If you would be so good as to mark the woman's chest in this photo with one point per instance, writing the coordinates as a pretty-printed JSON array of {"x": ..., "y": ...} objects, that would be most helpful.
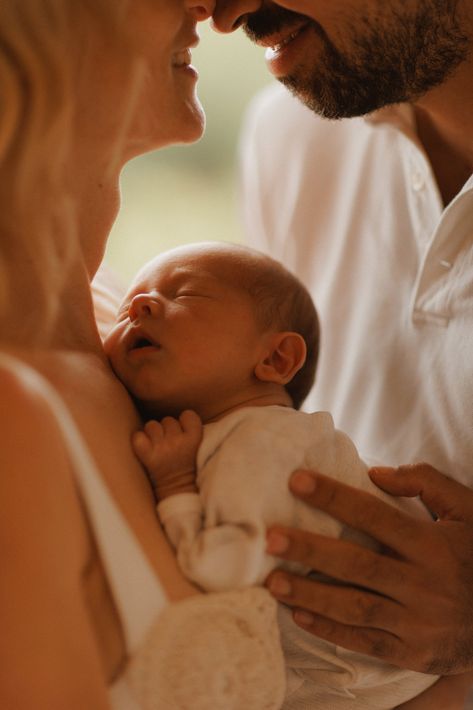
[{"x": 106, "y": 419}]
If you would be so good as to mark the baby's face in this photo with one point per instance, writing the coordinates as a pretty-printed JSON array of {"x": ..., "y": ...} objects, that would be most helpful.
[{"x": 185, "y": 334}]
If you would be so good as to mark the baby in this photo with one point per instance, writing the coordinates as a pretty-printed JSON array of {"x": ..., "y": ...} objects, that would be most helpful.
[{"x": 224, "y": 335}]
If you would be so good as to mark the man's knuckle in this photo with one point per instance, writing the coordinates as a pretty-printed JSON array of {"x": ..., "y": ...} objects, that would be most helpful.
[
  {"x": 381, "y": 647},
  {"x": 366, "y": 567},
  {"x": 368, "y": 610},
  {"x": 326, "y": 494},
  {"x": 304, "y": 550}
]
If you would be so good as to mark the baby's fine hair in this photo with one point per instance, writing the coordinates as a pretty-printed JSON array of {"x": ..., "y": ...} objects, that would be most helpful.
[{"x": 281, "y": 302}]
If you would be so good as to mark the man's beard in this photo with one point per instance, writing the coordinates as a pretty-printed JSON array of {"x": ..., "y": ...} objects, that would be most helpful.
[{"x": 394, "y": 59}]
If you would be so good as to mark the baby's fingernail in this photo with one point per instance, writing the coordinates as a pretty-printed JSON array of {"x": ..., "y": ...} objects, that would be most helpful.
[
  {"x": 280, "y": 586},
  {"x": 277, "y": 543},
  {"x": 381, "y": 470},
  {"x": 304, "y": 618},
  {"x": 302, "y": 482}
]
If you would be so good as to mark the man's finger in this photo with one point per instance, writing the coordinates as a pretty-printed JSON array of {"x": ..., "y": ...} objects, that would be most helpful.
[
  {"x": 448, "y": 499},
  {"x": 340, "y": 560},
  {"x": 344, "y": 604},
  {"x": 359, "y": 509}
]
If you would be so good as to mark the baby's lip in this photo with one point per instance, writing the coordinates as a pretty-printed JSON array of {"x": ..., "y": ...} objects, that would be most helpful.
[{"x": 139, "y": 340}]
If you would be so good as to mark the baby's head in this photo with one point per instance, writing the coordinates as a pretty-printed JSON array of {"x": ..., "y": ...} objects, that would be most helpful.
[{"x": 212, "y": 327}]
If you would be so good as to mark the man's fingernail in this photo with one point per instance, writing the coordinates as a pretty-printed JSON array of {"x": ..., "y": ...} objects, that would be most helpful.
[
  {"x": 302, "y": 482},
  {"x": 304, "y": 618},
  {"x": 280, "y": 586},
  {"x": 277, "y": 543}
]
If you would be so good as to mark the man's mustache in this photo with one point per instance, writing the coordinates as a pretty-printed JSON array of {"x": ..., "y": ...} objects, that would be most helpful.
[{"x": 271, "y": 20}]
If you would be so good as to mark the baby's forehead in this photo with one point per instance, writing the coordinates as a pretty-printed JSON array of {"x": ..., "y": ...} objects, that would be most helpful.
[{"x": 218, "y": 266}]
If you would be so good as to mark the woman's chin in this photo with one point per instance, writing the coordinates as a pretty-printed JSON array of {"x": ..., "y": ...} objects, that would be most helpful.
[
  {"x": 187, "y": 126},
  {"x": 189, "y": 123},
  {"x": 194, "y": 128}
]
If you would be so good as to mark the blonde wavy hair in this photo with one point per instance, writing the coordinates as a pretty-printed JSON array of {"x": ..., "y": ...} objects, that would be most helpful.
[{"x": 40, "y": 54}]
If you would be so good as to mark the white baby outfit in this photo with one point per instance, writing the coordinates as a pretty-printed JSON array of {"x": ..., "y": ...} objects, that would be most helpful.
[
  {"x": 209, "y": 652},
  {"x": 243, "y": 464}
]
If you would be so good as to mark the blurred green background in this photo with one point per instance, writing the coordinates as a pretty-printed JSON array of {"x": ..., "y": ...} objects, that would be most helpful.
[{"x": 189, "y": 193}]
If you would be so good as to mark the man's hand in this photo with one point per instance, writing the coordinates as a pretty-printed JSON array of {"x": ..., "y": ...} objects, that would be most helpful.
[
  {"x": 448, "y": 693},
  {"x": 411, "y": 603},
  {"x": 168, "y": 451}
]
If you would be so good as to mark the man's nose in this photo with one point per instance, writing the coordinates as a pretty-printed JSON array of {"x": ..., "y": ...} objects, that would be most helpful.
[
  {"x": 230, "y": 14},
  {"x": 143, "y": 305}
]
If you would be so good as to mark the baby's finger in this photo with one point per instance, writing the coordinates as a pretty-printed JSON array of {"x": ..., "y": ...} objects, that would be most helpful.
[
  {"x": 141, "y": 444},
  {"x": 154, "y": 430},
  {"x": 171, "y": 426},
  {"x": 191, "y": 422}
]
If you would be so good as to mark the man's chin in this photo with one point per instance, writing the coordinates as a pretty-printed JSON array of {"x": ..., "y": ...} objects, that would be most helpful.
[
  {"x": 317, "y": 103},
  {"x": 335, "y": 105}
]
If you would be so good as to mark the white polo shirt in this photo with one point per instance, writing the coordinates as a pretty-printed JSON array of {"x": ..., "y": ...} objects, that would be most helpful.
[{"x": 353, "y": 208}]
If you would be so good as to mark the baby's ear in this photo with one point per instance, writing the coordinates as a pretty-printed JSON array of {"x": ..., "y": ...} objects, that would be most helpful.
[{"x": 284, "y": 356}]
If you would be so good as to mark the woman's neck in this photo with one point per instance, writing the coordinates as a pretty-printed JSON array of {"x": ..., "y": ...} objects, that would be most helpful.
[
  {"x": 48, "y": 282},
  {"x": 98, "y": 203},
  {"x": 97, "y": 196}
]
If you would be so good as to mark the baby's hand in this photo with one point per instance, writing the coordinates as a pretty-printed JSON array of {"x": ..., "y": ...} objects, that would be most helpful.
[{"x": 168, "y": 450}]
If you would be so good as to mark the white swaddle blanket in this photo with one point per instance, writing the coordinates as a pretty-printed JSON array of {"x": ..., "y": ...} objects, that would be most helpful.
[{"x": 244, "y": 464}]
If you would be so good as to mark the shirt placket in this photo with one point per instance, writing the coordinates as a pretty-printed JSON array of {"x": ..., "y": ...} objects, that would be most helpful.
[{"x": 440, "y": 235}]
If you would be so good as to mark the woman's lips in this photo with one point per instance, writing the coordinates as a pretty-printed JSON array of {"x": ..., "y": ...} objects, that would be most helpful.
[
  {"x": 181, "y": 62},
  {"x": 182, "y": 58}
]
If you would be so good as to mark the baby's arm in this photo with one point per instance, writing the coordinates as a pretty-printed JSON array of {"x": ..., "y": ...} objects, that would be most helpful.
[
  {"x": 219, "y": 551},
  {"x": 220, "y": 534},
  {"x": 168, "y": 450}
]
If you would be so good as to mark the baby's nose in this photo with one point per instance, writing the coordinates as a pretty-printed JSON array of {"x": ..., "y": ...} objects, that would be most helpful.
[{"x": 143, "y": 305}]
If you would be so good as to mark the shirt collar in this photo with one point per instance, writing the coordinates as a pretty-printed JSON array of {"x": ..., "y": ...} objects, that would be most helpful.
[{"x": 400, "y": 116}]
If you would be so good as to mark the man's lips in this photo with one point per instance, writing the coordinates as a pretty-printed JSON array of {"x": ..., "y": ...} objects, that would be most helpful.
[{"x": 278, "y": 40}]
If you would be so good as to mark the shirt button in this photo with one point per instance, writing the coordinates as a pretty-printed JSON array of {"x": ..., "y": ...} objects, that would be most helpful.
[
  {"x": 417, "y": 181},
  {"x": 446, "y": 264}
]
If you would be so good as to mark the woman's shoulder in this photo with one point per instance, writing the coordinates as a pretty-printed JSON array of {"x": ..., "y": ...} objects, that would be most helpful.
[
  {"x": 44, "y": 549},
  {"x": 30, "y": 427},
  {"x": 35, "y": 467},
  {"x": 25, "y": 413},
  {"x": 21, "y": 387}
]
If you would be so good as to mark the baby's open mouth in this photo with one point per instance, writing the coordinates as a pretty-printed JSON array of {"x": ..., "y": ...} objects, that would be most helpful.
[{"x": 142, "y": 342}]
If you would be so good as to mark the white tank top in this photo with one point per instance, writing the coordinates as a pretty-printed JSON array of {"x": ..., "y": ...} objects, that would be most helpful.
[{"x": 208, "y": 652}]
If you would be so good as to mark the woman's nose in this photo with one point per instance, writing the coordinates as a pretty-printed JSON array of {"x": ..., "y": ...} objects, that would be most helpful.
[
  {"x": 229, "y": 14},
  {"x": 143, "y": 305},
  {"x": 201, "y": 9}
]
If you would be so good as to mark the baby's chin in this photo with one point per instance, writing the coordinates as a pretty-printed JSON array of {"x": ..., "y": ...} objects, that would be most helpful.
[{"x": 152, "y": 409}]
